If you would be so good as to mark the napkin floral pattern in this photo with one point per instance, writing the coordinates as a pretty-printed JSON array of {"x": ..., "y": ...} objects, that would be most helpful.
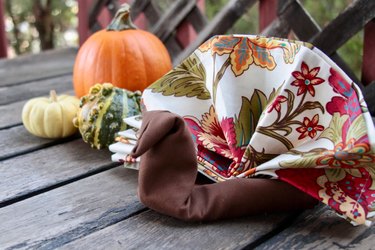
[{"x": 275, "y": 108}]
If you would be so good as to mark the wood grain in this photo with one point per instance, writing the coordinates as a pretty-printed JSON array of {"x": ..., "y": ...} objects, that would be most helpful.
[
  {"x": 8, "y": 117},
  {"x": 54, "y": 218},
  {"x": 322, "y": 230},
  {"x": 278, "y": 28},
  {"x": 152, "y": 12},
  {"x": 17, "y": 140},
  {"x": 197, "y": 19},
  {"x": 351, "y": 20},
  {"x": 137, "y": 7},
  {"x": 51, "y": 166},
  {"x": 37, "y": 67},
  {"x": 150, "y": 230},
  {"x": 10, "y": 94},
  {"x": 306, "y": 29},
  {"x": 169, "y": 22},
  {"x": 369, "y": 95}
]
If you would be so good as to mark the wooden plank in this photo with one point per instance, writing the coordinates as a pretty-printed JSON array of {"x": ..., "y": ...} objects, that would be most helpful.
[
  {"x": 83, "y": 20},
  {"x": 305, "y": 28},
  {"x": 8, "y": 118},
  {"x": 17, "y": 140},
  {"x": 278, "y": 28},
  {"x": 197, "y": 19},
  {"x": 10, "y": 94},
  {"x": 172, "y": 18},
  {"x": 53, "y": 166},
  {"x": 267, "y": 13},
  {"x": 3, "y": 37},
  {"x": 113, "y": 6},
  {"x": 45, "y": 57},
  {"x": 54, "y": 218},
  {"x": 368, "y": 63},
  {"x": 153, "y": 231},
  {"x": 369, "y": 95},
  {"x": 351, "y": 20},
  {"x": 302, "y": 24},
  {"x": 152, "y": 13},
  {"x": 37, "y": 67},
  {"x": 173, "y": 46},
  {"x": 224, "y": 20},
  {"x": 322, "y": 230},
  {"x": 138, "y": 7},
  {"x": 96, "y": 8}
]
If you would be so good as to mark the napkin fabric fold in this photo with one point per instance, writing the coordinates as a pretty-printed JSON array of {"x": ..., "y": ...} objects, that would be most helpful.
[
  {"x": 262, "y": 106},
  {"x": 168, "y": 170}
]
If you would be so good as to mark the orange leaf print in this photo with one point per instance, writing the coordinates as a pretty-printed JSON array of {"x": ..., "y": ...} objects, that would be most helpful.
[
  {"x": 241, "y": 57},
  {"x": 224, "y": 44},
  {"x": 262, "y": 56},
  {"x": 206, "y": 46}
]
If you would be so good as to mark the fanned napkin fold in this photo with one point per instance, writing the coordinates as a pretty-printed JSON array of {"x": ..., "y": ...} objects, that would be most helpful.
[
  {"x": 125, "y": 142},
  {"x": 260, "y": 106}
]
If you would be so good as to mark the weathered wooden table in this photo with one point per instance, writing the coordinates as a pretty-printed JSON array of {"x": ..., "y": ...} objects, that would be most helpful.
[{"x": 63, "y": 194}]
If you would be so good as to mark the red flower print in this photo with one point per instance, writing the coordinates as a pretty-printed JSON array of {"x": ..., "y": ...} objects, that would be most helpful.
[
  {"x": 348, "y": 103},
  {"x": 276, "y": 104},
  {"x": 337, "y": 104},
  {"x": 309, "y": 127},
  {"x": 214, "y": 135},
  {"x": 339, "y": 84},
  {"x": 306, "y": 79}
]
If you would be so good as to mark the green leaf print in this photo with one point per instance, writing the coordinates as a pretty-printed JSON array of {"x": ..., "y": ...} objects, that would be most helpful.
[
  {"x": 311, "y": 105},
  {"x": 358, "y": 128},
  {"x": 338, "y": 174},
  {"x": 187, "y": 79},
  {"x": 372, "y": 174},
  {"x": 334, "y": 131},
  {"x": 335, "y": 175},
  {"x": 248, "y": 118},
  {"x": 302, "y": 162}
]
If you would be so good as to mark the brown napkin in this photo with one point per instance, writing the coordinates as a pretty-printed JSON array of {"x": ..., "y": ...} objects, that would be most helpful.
[{"x": 168, "y": 171}]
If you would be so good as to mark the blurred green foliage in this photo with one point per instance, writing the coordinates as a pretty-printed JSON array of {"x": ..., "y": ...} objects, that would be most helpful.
[
  {"x": 20, "y": 24},
  {"x": 352, "y": 51}
]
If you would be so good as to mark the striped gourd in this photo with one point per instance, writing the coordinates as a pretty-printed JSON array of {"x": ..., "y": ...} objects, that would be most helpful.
[{"x": 102, "y": 112}]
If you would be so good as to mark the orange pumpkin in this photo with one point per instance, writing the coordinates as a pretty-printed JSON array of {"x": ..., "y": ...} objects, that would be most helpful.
[{"x": 122, "y": 55}]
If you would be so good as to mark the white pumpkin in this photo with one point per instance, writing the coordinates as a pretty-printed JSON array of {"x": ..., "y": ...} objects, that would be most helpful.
[{"x": 50, "y": 117}]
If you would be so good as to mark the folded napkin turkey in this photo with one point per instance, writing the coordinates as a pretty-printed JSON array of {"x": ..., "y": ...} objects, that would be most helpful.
[
  {"x": 168, "y": 171},
  {"x": 281, "y": 109}
]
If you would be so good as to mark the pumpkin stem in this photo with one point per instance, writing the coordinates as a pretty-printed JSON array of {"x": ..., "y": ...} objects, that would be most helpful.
[
  {"x": 53, "y": 96},
  {"x": 122, "y": 20}
]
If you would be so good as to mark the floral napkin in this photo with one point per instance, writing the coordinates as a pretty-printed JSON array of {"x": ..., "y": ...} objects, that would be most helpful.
[{"x": 275, "y": 108}]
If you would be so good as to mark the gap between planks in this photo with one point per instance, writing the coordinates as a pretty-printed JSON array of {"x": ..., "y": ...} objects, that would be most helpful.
[
  {"x": 57, "y": 185},
  {"x": 16, "y": 141},
  {"x": 150, "y": 230},
  {"x": 70, "y": 212},
  {"x": 49, "y": 166},
  {"x": 32, "y": 89},
  {"x": 322, "y": 229},
  {"x": 42, "y": 78},
  {"x": 38, "y": 66}
]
